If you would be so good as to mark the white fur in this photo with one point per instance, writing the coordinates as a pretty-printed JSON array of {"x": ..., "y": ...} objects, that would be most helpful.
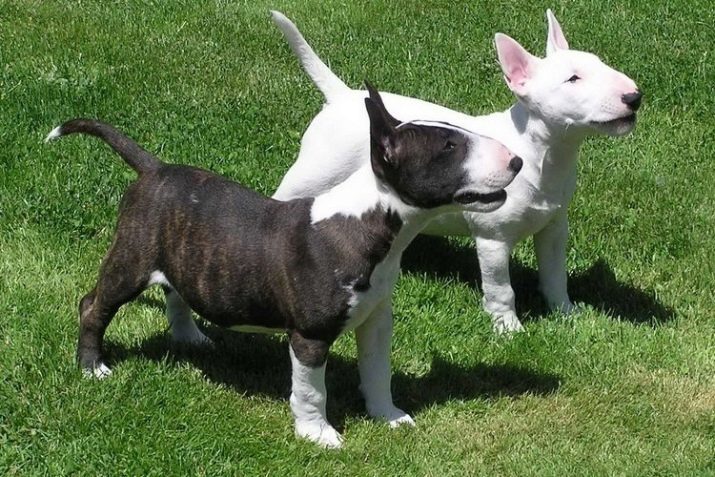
[
  {"x": 351, "y": 198},
  {"x": 54, "y": 134},
  {"x": 374, "y": 338},
  {"x": 100, "y": 372},
  {"x": 157, "y": 277},
  {"x": 545, "y": 128},
  {"x": 307, "y": 402},
  {"x": 183, "y": 327}
]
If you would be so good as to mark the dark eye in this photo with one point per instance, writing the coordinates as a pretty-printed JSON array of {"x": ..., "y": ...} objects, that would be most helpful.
[
  {"x": 449, "y": 146},
  {"x": 573, "y": 79}
]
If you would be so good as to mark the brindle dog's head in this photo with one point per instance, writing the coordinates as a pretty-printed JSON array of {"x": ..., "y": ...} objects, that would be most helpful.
[{"x": 430, "y": 164}]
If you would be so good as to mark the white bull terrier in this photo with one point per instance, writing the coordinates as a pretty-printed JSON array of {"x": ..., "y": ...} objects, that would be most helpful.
[{"x": 561, "y": 99}]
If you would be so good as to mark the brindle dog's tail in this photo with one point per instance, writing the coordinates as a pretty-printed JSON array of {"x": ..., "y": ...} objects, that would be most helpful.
[{"x": 133, "y": 154}]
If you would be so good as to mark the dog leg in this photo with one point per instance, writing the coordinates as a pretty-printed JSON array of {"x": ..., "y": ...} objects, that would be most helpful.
[
  {"x": 496, "y": 284},
  {"x": 374, "y": 339},
  {"x": 183, "y": 327},
  {"x": 308, "y": 395},
  {"x": 550, "y": 246},
  {"x": 115, "y": 287}
]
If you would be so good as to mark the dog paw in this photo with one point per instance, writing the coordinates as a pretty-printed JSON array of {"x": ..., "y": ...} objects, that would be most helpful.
[
  {"x": 193, "y": 338},
  {"x": 99, "y": 371},
  {"x": 404, "y": 420},
  {"x": 322, "y": 434},
  {"x": 394, "y": 416},
  {"x": 506, "y": 324},
  {"x": 567, "y": 308}
]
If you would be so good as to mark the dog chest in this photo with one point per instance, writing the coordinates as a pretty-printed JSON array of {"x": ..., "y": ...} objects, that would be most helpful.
[{"x": 362, "y": 303}]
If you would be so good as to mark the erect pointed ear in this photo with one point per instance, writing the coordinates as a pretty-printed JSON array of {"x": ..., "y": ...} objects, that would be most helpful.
[
  {"x": 555, "y": 39},
  {"x": 517, "y": 64},
  {"x": 382, "y": 133},
  {"x": 375, "y": 96}
]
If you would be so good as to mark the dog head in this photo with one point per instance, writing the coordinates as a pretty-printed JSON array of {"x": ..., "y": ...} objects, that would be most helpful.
[
  {"x": 569, "y": 88},
  {"x": 430, "y": 164}
]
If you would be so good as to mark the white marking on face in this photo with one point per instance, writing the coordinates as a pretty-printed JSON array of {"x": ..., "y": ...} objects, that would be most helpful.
[
  {"x": 438, "y": 124},
  {"x": 488, "y": 165}
]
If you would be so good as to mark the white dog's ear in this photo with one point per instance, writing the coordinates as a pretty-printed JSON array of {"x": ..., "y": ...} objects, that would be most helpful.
[
  {"x": 517, "y": 64},
  {"x": 555, "y": 39}
]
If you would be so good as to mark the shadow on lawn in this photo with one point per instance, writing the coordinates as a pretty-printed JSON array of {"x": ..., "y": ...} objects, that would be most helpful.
[
  {"x": 259, "y": 365},
  {"x": 596, "y": 286}
]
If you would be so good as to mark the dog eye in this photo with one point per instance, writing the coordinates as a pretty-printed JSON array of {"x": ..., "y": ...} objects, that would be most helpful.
[
  {"x": 573, "y": 79},
  {"x": 449, "y": 146}
]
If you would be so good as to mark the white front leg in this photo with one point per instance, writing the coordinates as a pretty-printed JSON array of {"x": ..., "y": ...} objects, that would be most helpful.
[
  {"x": 550, "y": 246},
  {"x": 307, "y": 401},
  {"x": 498, "y": 294},
  {"x": 374, "y": 339}
]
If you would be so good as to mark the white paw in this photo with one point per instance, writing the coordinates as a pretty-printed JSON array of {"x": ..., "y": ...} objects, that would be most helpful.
[
  {"x": 404, "y": 420},
  {"x": 100, "y": 371},
  {"x": 566, "y": 307},
  {"x": 394, "y": 416},
  {"x": 322, "y": 434},
  {"x": 506, "y": 323},
  {"x": 192, "y": 338}
]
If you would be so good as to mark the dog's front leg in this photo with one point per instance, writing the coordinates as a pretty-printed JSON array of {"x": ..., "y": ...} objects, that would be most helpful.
[
  {"x": 374, "y": 340},
  {"x": 550, "y": 246},
  {"x": 308, "y": 394},
  {"x": 498, "y": 294}
]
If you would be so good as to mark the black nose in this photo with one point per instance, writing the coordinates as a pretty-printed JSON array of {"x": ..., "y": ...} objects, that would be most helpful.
[
  {"x": 515, "y": 164},
  {"x": 633, "y": 100}
]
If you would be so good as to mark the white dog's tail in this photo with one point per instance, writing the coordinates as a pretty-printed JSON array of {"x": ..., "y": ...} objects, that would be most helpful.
[{"x": 326, "y": 81}]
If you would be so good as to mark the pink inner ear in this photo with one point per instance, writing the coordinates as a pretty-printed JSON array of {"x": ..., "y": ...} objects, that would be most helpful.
[
  {"x": 515, "y": 61},
  {"x": 556, "y": 39}
]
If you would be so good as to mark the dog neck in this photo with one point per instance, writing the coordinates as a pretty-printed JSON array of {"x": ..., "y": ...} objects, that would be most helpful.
[
  {"x": 549, "y": 150},
  {"x": 555, "y": 147},
  {"x": 363, "y": 193}
]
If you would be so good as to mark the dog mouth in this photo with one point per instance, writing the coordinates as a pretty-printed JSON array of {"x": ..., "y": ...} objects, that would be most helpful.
[
  {"x": 623, "y": 123},
  {"x": 473, "y": 197}
]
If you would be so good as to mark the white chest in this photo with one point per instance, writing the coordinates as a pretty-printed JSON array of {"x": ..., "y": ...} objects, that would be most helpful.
[{"x": 382, "y": 282}]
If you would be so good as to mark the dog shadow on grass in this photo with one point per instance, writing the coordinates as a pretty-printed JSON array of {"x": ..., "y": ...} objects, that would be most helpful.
[
  {"x": 258, "y": 365},
  {"x": 597, "y": 286}
]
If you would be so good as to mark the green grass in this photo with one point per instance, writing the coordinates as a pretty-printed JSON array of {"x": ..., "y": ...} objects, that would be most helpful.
[{"x": 625, "y": 388}]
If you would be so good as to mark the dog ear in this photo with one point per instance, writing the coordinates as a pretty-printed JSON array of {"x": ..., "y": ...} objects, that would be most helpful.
[
  {"x": 516, "y": 63},
  {"x": 555, "y": 39},
  {"x": 382, "y": 134},
  {"x": 375, "y": 96}
]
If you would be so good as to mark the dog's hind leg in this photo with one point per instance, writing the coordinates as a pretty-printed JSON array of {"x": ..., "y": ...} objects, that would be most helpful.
[
  {"x": 183, "y": 327},
  {"x": 115, "y": 287}
]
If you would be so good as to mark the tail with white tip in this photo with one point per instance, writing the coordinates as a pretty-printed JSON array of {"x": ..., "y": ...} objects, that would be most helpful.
[
  {"x": 133, "y": 154},
  {"x": 327, "y": 82}
]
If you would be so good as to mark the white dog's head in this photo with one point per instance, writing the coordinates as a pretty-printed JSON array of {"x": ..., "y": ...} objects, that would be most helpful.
[{"x": 569, "y": 88}]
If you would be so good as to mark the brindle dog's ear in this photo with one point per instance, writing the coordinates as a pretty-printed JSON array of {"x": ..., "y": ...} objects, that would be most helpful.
[
  {"x": 382, "y": 135},
  {"x": 375, "y": 96}
]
